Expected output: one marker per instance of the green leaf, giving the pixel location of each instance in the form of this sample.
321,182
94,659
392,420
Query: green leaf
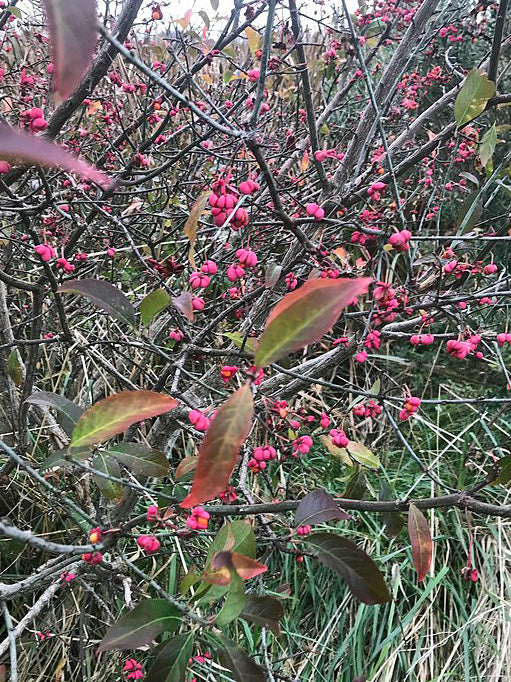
487,145
422,543
304,315
141,459
234,601
356,487
239,663
15,11
264,610
111,490
115,414
241,341
504,471
473,97
14,367
142,625
104,295
469,213
70,412
219,449
153,304
393,521
192,225
364,580
317,507
171,663
363,455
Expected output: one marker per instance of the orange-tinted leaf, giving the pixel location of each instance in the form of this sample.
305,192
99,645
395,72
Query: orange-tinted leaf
73,34
219,449
18,146
304,315
422,544
246,567
305,161
184,22
185,466
114,414
192,224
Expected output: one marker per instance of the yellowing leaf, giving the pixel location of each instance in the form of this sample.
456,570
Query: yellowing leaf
473,96
422,544
253,39
114,414
192,225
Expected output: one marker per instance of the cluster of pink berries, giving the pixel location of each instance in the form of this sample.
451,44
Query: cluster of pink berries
410,406
372,339
339,438
133,670
228,496
198,519
322,154
303,530
399,240
198,420
149,543
460,349
227,372
368,409
45,252
222,201
177,335
65,265
361,238
246,259
422,339
35,120
503,338
249,187
315,211
301,445
376,190
260,456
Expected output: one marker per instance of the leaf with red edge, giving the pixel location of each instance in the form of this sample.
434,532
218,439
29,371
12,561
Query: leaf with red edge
18,146
73,34
422,543
115,414
304,315
104,295
219,449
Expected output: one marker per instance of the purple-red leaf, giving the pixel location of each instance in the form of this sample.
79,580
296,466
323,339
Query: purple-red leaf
219,449
304,315
73,34
104,295
265,611
317,507
18,146
114,414
183,303
422,544
239,663
350,562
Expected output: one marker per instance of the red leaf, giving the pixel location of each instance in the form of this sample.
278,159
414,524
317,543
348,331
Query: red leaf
23,147
219,449
304,315
114,414
422,544
183,303
246,567
73,34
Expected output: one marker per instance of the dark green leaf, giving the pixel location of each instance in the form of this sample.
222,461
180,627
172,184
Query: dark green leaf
14,367
393,521
111,490
172,661
364,579
239,663
141,459
356,487
70,411
142,625
265,611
